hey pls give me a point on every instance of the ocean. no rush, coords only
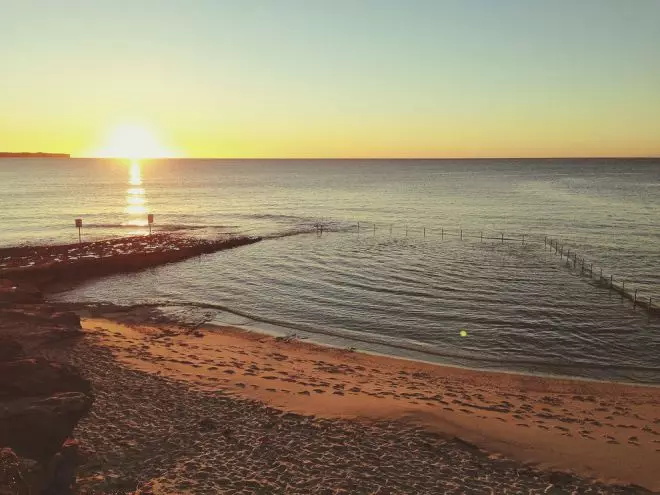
(403, 282)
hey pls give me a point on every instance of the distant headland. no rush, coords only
(33, 155)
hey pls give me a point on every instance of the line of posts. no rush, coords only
(461, 235)
(559, 249)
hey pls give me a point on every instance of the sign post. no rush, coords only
(79, 227)
(150, 221)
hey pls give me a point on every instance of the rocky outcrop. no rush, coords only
(57, 267)
(36, 427)
(10, 349)
(23, 293)
(38, 377)
(38, 328)
(18, 476)
(41, 400)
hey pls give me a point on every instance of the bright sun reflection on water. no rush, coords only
(135, 173)
(136, 199)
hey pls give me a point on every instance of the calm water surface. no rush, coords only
(403, 289)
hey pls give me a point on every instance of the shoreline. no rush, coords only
(167, 395)
(256, 328)
(334, 339)
(581, 427)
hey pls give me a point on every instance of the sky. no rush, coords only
(331, 78)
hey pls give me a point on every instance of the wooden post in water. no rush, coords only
(358, 227)
(601, 275)
(635, 300)
(390, 230)
(623, 289)
(611, 280)
(374, 230)
(79, 227)
(582, 266)
(461, 234)
(545, 241)
(442, 233)
(574, 260)
(424, 231)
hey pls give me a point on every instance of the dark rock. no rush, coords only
(19, 476)
(38, 327)
(40, 403)
(38, 377)
(36, 427)
(67, 319)
(10, 349)
(23, 293)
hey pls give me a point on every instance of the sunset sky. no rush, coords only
(331, 78)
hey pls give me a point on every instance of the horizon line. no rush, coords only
(579, 157)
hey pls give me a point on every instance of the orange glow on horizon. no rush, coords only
(133, 142)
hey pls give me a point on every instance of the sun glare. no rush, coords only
(134, 142)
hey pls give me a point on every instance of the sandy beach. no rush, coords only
(570, 435)
(330, 247)
(198, 408)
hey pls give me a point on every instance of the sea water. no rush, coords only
(403, 282)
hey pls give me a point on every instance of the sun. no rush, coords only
(134, 142)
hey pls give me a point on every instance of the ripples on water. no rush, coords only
(520, 308)
(410, 295)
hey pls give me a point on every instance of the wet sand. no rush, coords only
(410, 415)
